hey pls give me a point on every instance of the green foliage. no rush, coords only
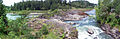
(51, 13)
(82, 4)
(16, 29)
(3, 19)
(42, 31)
(51, 35)
(46, 33)
(108, 12)
(38, 5)
(117, 9)
(50, 4)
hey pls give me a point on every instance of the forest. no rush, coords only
(50, 4)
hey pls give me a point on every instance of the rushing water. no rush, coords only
(11, 16)
(89, 24)
(83, 26)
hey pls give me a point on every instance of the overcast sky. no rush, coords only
(11, 2)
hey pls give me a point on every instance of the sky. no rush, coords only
(11, 2)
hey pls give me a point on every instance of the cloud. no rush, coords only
(93, 1)
(10, 2)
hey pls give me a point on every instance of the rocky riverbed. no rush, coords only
(58, 22)
(114, 32)
(76, 25)
(71, 15)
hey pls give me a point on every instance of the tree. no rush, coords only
(3, 21)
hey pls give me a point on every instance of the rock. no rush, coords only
(118, 32)
(37, 27)
(117, 17)
(71, 15)
(83, 14)
(95, 38)
(113, 32)
(106, 27)
(90, 31)
(103, 28)
(72, 23)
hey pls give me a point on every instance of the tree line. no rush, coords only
(50, 4)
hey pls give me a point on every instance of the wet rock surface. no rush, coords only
(114, 32)
(90, 31)
(71, 15)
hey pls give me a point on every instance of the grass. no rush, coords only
(82, 9)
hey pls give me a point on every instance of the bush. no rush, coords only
(117, 9)
(105, 15)
(3, 19)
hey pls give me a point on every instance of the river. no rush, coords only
(12, 16)
(89, 24)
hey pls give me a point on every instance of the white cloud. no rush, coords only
(93, 1)
(11, 2)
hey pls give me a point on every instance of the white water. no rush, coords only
(83, 26)
(11, 16)
(89, 23)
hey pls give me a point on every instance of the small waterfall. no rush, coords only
(88, 27)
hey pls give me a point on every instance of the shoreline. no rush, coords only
(112, 31)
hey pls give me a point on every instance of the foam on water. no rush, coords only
(89, 23)
(12, 16)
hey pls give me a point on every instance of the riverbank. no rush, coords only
(86, 27)
(56, 23)
(112, 31)
(109, 18)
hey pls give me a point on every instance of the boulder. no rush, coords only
(113, 32)
(90, 31)
(83, 14)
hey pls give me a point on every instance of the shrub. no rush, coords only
(105, 15)
(3, 19)
(117, 9)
